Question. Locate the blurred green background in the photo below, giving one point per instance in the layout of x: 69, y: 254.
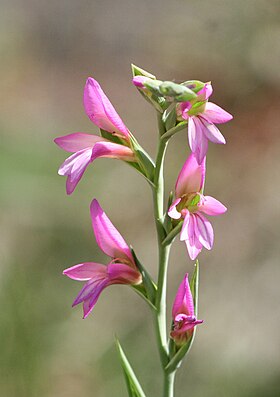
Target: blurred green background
x: 47, y: 50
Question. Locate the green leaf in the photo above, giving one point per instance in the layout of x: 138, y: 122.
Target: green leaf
x: 168, y: 134
x: 133, y: 386
x: 171, y: 235
x: 146, y: 163
x: 167, y: 220
x: 177, y: 359
x: 194, y: 286
x: 150, y: 289
x: 169, y: 117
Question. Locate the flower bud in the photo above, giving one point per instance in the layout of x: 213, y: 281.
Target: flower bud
x: 178, y: 92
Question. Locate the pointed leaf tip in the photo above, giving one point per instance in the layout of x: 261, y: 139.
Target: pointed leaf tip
x: 133, y: 386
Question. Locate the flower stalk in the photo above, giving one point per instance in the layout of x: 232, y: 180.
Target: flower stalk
x: 178, y: 106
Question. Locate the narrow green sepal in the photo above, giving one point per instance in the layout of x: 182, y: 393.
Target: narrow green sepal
x: 133, y: 386
x: 177, y: 359
x: 136, y: 71
x: 149, y: 288
x: 179, y: 127
x: 172, y: 234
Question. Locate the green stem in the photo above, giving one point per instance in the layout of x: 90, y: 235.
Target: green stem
x: 163, y: 257
x: 169, y: 384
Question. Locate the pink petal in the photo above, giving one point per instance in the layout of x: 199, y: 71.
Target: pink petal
x: 85, y: 271
x: 211, y: 132
x: 77, y: 141
x: 197, y: 140
x: 184, y: 235
x: 172, y: 211
x: 100, y: 110
x: 74, y: 167
x: 191, y: 178
x: 183, y: 303
x: 205, y: 92
x: 107, y: 236
x: 210, y: 206
x: 193, y: 244
x: 90, y: 302
x: 183, y: 108
x: 204, y: 231
x: 120, y: 273
x: 112, y: 150
x: 92, y: 288
x: 215, y: 114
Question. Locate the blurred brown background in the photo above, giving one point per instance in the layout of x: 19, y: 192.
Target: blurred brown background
x: 47, y: 50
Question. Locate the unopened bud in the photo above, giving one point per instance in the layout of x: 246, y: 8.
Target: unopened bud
x: 179, y: 92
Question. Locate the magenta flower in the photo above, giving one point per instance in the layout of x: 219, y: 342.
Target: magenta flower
x: 86, y: 147
x: 190, y: 204
x: 121, y: 269
x: 201, y: 119
x: 184, y: 319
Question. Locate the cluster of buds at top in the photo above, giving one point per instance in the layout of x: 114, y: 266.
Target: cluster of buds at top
x: 185, y: 104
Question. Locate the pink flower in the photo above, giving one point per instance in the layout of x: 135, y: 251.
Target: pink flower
x: 121, y: 269
x: 201, y: 119
x: 190, y: 204
x: 86, y: 147
x: 184, y: 319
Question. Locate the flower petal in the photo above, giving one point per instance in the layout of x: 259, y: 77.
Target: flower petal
x: 107, y: 236
x: 212, y: 132
x: 197, y: 140
x: 184, y: 235
x: 92, y: 288
x: 204, y: 231
x: 215, y: 114
x: 74, y: 167
x: 191, y: 177
x: 205, y: 92
x: 210, y: 206
x: 193, y: 244
x: 90, y: 302
x: 85, y: 271
x: 100, y: 110
x: 172, y: 211
x: 77, y: 141
x: 112, y: 150
x: 183, y: 303
x: 120, y: 273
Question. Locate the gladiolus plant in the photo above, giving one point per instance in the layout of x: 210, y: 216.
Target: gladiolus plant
x: 179, y: 107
